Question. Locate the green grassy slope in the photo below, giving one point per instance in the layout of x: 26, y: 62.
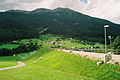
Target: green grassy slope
x: 77, y: 65
x: 8, y: 61
x: 57, y: 65
x: 34, y: 71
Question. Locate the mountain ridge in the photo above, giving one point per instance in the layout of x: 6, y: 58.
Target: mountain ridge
x: 60, y: 21
x: 45, y: 9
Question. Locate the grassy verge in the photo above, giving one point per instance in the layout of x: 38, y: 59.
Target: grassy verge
x: 57, y: 65
x: 77, y: 65
x: 37, y: 71
x: 8, y: 61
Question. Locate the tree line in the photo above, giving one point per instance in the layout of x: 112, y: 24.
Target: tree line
x: 23, y: 48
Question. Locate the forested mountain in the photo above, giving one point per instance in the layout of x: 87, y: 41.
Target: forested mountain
x: 17, y: 24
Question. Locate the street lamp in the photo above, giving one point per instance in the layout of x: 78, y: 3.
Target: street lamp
x: 105, y: 32
x: 110, y: 38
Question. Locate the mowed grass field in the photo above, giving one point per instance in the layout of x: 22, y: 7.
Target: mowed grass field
x: 57, y: 65
x: 8, y: 61
x: 69, y: 44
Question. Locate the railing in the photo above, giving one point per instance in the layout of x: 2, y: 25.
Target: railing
x: 117, y: 51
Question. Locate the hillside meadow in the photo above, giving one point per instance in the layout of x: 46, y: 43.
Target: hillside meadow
x: 49, y: 64
x: 57, y: 65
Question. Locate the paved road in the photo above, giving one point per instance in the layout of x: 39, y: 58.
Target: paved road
x: 92, y: 55
x: 20, y: 64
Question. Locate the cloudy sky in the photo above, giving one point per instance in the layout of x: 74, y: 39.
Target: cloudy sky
x: 107, y: 9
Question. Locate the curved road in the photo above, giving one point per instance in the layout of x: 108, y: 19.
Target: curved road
x: 20, y: 64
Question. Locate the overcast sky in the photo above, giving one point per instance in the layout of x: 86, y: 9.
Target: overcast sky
x: 107, y: 9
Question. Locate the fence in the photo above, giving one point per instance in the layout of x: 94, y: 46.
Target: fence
x: 117, y: 51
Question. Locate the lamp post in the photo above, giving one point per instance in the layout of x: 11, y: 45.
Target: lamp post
x: 105, y: 32
x: 110, y: 38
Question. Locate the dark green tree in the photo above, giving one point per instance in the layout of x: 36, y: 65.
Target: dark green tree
x: 116, y: 43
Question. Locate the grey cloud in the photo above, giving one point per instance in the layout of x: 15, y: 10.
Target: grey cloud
x: 7, y: 7
x: 19, y: 4
x: 29, y: 1
x: 72, y: 4
x: 2, y: 1
x: 8, y: 4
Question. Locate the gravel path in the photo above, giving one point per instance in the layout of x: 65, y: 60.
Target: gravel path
x: 20, y: 64
x: 92, y: 55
